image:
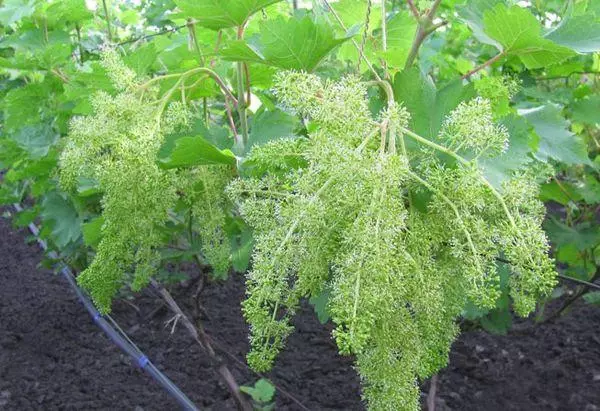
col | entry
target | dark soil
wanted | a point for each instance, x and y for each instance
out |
(52, 356)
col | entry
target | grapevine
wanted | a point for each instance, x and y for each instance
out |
(390, 163)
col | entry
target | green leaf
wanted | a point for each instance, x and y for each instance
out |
(583, 236)
(68, 11)
(587, 111)
(221, 14)
(262, 392)
(472, 14)
(242, 251)
(62, 218)
(142, 59)
(183, 151)
(589, 190)
(428, 106)
(499, 319)
(270, 125)
(319, 302)
(297, 43)
(497, 322)
(92, 231)
(594, 8)
(580, 33)
(592, 298)
(418, 94)
(35, 139)
(352, 13)
(241, 241)
(556, 141)
(18, 107)
(400, 35)
(87, 187)
(562, 194)
(12, 11)
(501, 168)
(520, 34)
(25, 217)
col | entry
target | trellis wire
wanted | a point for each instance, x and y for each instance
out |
(120, 339)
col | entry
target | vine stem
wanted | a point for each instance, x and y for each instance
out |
(356, 45)
(483, 66)
(413, 9)
(432, 393)
(194, 39)
(245, 366)
(202, 339)
(384, 37)
(191, 25)
(464, 162)
(434, 8)
(580, 293)
(241, 106)
(107, 16)
(79, 46)
(212, 74)
(424, 29)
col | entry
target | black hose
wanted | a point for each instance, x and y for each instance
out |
(140, 359)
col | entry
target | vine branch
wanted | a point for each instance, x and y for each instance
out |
(212, 74)
(424, 29)
(202, 339)
(483, 66)
(241, 106)
(413, 9)
(356, 45)
(107, 16)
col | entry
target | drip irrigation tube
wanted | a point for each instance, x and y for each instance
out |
(120, 340)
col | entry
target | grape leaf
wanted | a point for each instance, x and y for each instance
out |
(428, 106)
(352, 13)
(68, 11)
(587, 110)
(92, 231)
(589, 190)
(556, 141)
(472, 14)
(319, 302)
(35, 139)
(62, 218)
(297, 43)
(13, 11)
(521, 144)
(562, 193)
(520, 34)
(262, 392)
(241, 250)
(400, 35)
(580, 33)
(87, 187)
(583, 236)
(18, 107)
(269, 125)
(186, 151)
(592, 298)
(141, 59)
(221, 14)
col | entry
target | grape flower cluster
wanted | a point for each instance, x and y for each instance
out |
(400, 240)
(117, 147)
